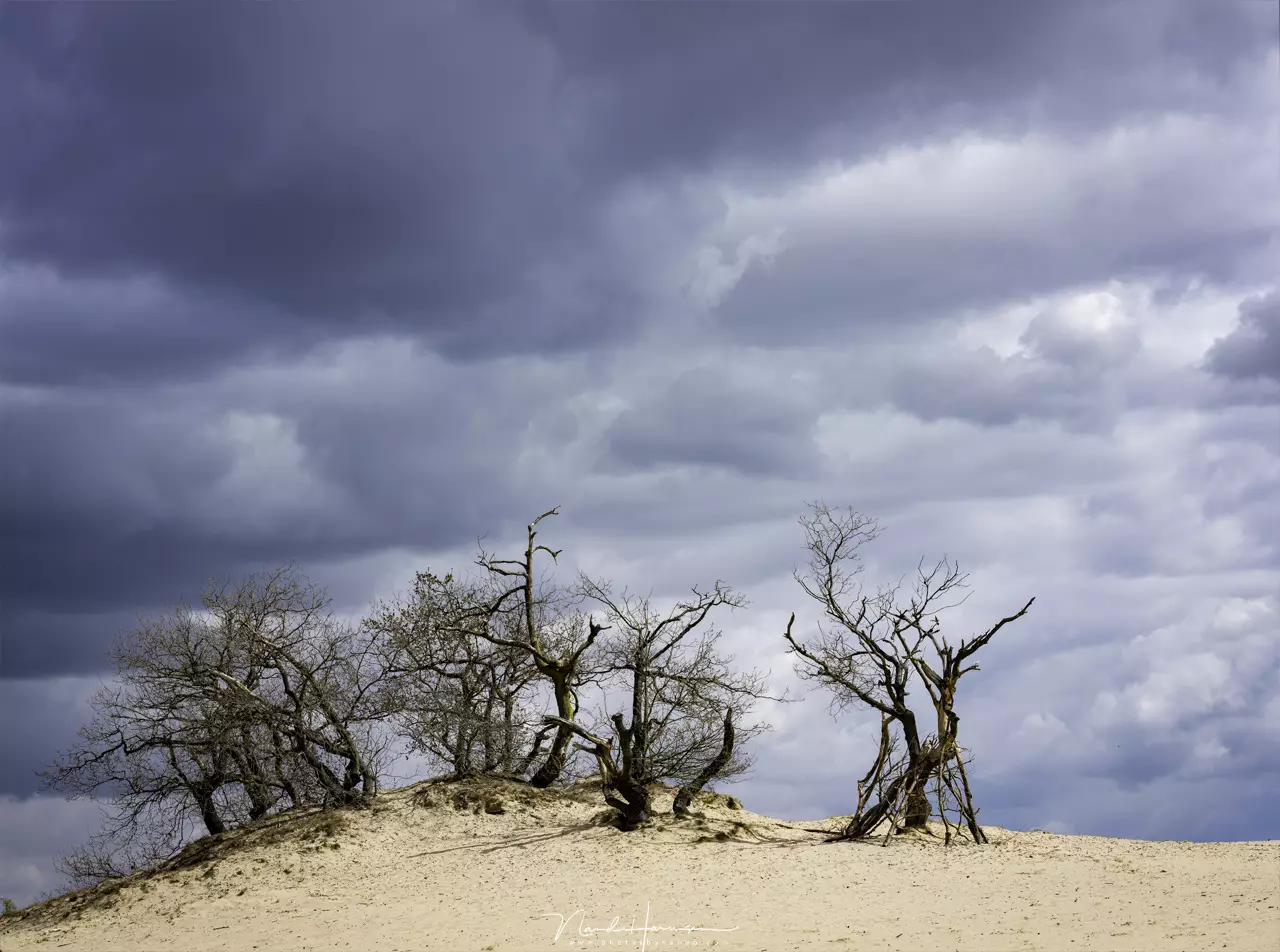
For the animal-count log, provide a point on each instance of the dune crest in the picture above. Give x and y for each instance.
(497, 865)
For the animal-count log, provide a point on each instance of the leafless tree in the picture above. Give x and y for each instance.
(865, 654)
(318, 684)
(215, 719)
(684, 705)
(543, 626)
(462, 699)
(160, 737)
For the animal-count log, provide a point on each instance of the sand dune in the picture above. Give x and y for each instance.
(544, 873)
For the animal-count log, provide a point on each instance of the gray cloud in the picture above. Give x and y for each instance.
(705, 418)
(335, 174)
(1253, 348)
(351, 172)
(1008, 218)
(677, 88)
(124, 500)
(32, 832)
(46, 714)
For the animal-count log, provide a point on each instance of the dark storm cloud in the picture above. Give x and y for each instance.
(127, 331)
(443, 168)
(1253, 349)
(356, 171)
(89, 507)
(37, 644)
(684, 87)
(46, 715)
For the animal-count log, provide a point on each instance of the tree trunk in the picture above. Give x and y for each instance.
(634, 805)
(253, 777)
(916, 815)
(508, 734)
(917, 809)
(553, 766)
(685, 797)
(863, 824)
(209, 811)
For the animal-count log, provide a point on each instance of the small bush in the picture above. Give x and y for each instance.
(9, 907)
(712, 799)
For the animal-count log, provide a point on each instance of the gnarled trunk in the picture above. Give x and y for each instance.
(685, 797)
(553, 766)
(916, 814)
(631, 800)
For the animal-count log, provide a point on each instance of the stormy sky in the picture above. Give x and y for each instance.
(354, 286)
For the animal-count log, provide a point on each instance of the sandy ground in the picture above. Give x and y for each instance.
(542, 875)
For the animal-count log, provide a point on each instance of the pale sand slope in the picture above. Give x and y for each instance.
(411, 877)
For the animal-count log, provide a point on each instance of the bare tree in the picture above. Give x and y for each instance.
(866, 653)
(538, 623)
(462, 699)
(318, 685)
(217, 719)
(683, 704)
(160, 741)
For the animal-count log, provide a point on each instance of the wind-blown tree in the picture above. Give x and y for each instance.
(461, 699)
(163, 748)
(866, 653)
(215, 719)
(683, 706)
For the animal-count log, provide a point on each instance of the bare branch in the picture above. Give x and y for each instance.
(868, 656)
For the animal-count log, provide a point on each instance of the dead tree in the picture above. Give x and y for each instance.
(718, 767)
(556, 641)
(866, 653)
(680, 700)
(912, 628)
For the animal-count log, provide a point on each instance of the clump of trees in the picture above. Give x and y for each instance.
(259, 702)
(262, 701)
(865, 653)
(467, 658)
(470, 660)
